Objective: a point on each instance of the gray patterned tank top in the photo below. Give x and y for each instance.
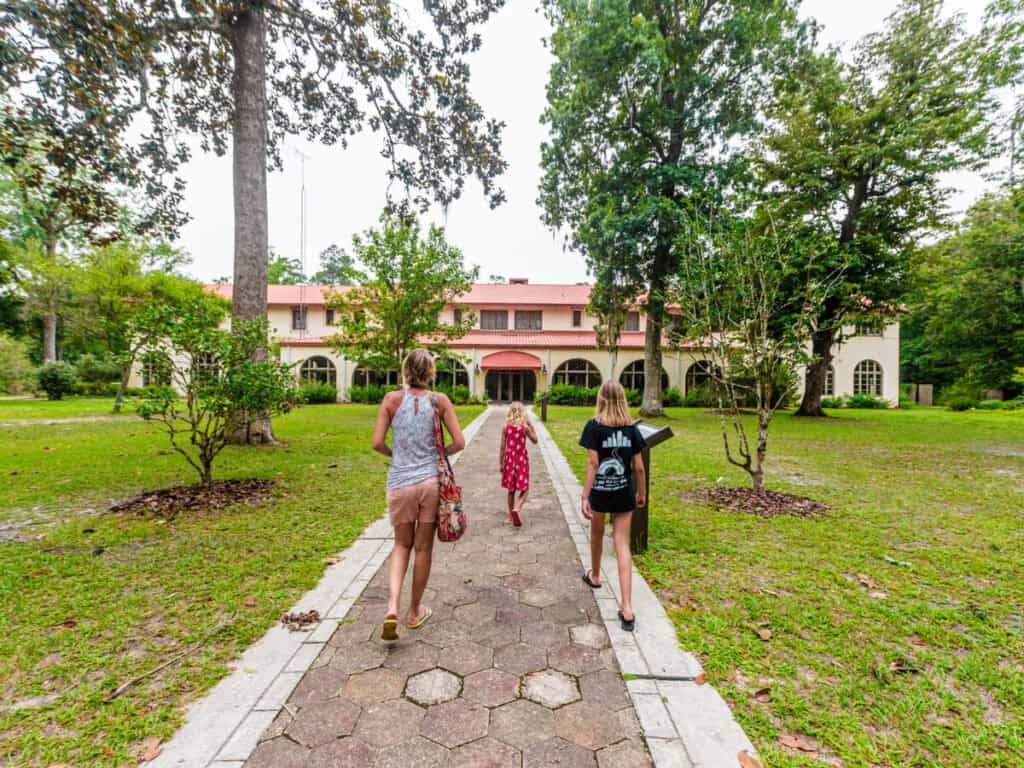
(413, 448)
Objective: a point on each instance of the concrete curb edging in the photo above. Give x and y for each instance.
(686, 724)
(223, 728)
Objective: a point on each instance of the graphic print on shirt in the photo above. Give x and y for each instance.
(611, 472)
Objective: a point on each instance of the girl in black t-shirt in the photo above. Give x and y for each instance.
(615, 484)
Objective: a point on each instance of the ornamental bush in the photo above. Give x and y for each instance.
(58, 379)
(16, 370)
(318, 392)
(672, 397)
(458, 394)
(866, 401)
(371, 394)
(570, 394)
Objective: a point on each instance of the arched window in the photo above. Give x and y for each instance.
(867, 378)
(205, 367)
(451, 373)
(318, 370)
(156, 372)
(830, 382)
(578, 373)
(632, 376)
(700, 373)
(364, 377)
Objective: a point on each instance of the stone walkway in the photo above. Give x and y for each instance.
(514, 669)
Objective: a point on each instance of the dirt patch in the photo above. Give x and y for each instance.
(170, 502)
(764, 504)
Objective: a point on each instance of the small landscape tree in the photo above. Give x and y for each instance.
(216, 374)
(749, 295)
(404, 281)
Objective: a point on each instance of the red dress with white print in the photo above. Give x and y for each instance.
(515, 475)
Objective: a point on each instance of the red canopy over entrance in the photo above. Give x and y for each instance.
(510, 361)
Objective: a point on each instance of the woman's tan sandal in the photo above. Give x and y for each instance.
(389, 631)
(427, 613)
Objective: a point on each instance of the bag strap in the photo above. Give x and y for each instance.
(446, 464)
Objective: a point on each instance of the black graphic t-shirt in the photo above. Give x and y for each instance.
(616, 446)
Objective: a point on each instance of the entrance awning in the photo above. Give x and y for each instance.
(510, 361)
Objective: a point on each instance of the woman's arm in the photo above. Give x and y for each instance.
(380, 430)
(641, 479)
(588, 483)
(451, 421)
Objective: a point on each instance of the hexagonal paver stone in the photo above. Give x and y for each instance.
(466, 658)
(359, 657)
(350, 632)
(278, 753)
(519, 581)
(550, 688)
(605, 687)
(276, 728)
(392, 722)
(492, 687)
(590, 635)
(495, 635)
(366, 688)
(475, 614)
(417, 753)
(520, 659)
(545, 634)
(556, 752)
(323, 721)
(504, 569)
(454, 723)
(565, 613)
(577, 660)
(445, 633)
(588, 725)
(625, 754)
(541, 598)
(345, 753)
(413, 658)
(433, 687)
(517, 614)
(522, 723)
(318, 685)
(486, 753)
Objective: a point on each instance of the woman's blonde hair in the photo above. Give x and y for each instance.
(418, 369)
(516, 413)
(612, 409)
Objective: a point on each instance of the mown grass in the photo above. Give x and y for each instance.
(97, 599)
(941, 491)
(18, 408)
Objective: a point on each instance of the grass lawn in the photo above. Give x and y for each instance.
(92, 600)
(911, 665)
(18, 408)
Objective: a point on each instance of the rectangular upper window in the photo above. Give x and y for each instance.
(458, 316)
(632, 322)
(529, 319)
(868, 330)
(577, 318)
(494, 319)
(298, 318)
(330, 317)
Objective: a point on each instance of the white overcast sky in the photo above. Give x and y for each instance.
(346, 187)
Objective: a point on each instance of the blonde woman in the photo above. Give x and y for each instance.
(514, 460)
(614, 469)
(413, 495)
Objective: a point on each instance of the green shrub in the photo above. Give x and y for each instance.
(833, 402)
(866, 401)
(633, 396)
(318, 392)
(672, 397)
(16, 372)
(961, 403)
(93, 369)
(701, 396)
(58, 379)
(569, 394)
(959, 392)
(371, 394)
(991, 405)
(458, 394)
(906, 403)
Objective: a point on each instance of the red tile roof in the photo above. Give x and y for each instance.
(481, 293)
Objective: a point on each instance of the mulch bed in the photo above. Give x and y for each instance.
(170, 502)
(764, 504)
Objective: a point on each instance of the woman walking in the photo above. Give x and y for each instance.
(614, 460)
(413, 497)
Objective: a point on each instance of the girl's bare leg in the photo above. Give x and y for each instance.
(624, 558)
(522, 499)
(398, 562)
(424, 543)
(596, 546)
(511, 502)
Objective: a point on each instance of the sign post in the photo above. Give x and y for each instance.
(638, 528)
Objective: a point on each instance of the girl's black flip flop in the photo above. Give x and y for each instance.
(627, 626)
(588, 582)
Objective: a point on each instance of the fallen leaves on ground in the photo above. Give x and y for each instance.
(170, 502)
(151, 749)
(797, 742)
(747, 760)
(763, 695)
(764, 504)
(300, 621)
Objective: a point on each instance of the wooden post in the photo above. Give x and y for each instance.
(638, 525)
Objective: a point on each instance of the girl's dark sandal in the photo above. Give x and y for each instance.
(627, 626)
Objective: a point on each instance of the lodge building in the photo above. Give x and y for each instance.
(528, 336)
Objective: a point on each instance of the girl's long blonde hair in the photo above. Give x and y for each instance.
(516, 413)
(612, 408)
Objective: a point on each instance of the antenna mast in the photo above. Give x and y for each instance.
(303, 157)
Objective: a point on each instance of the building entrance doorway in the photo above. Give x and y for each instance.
(505, 386)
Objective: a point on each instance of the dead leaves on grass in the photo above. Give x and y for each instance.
(151, 749)
(168, 503)
(300, 622)
(764, 504)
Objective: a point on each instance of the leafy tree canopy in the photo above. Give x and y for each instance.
(336, 267)
(284, 271)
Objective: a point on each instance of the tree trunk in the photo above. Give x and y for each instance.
(761, 451)
(49, 337)
(651, 403)
(817, 371)
(249, 155)
(126, 374)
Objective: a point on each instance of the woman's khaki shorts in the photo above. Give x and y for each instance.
(414, 502)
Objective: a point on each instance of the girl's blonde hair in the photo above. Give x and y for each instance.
(612, 409)
(516, 413)
(418, 369)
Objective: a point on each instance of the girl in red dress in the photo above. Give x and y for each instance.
(514, 461)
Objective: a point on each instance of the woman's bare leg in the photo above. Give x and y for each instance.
(624, 558)
(424, 543)
(398, 562)
(596, 546)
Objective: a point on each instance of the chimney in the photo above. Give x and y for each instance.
(518, 281)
